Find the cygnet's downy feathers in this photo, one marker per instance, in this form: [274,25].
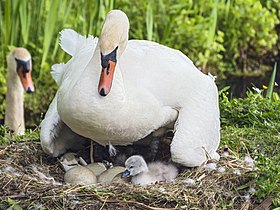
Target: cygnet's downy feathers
[144,174]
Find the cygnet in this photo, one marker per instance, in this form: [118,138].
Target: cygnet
[144,174]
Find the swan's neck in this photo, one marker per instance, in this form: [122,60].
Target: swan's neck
[14,114]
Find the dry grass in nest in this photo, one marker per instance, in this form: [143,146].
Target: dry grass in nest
[33,181]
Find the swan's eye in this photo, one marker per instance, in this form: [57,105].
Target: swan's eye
[131,167]
[24,64]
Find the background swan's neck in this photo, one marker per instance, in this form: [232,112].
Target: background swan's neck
[14,114]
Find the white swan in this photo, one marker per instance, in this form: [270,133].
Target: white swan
[143,174]
[18,80]
[119,91]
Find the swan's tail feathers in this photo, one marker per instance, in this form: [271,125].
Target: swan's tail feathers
[57,72]
[70,41]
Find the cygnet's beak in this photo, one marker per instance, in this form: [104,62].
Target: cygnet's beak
[126,173]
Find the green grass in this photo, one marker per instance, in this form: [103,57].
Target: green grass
[263,146]
[251,126]
[6,137]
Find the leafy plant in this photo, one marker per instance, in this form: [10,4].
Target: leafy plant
[6,136]
[253,111]
[249,36]
[14,205]
[262,144]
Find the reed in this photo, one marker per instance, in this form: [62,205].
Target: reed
[25,20]
[49,28]
[149,20]
[272,81]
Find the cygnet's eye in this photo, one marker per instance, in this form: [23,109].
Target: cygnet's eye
[131,167]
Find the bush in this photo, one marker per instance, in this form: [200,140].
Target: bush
[254,111]
[251,35]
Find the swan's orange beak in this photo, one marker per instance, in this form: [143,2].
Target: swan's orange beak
[106,78]
[108,63]
[26,79]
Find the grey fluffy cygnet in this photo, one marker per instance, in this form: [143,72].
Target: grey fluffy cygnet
[143,174]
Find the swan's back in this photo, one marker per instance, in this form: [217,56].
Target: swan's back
[174,77]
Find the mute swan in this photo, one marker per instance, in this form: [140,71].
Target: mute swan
[144,174]
[115,91]
[18,80]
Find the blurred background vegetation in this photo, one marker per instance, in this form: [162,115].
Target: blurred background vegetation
[237,40]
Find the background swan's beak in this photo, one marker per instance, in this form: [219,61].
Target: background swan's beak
[26,80]
[106,78]
[126,173]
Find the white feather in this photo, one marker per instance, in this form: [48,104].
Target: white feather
[70,41]
[57,72]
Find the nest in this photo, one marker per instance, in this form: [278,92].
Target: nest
[31,180]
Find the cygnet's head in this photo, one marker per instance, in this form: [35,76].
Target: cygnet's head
[134,165]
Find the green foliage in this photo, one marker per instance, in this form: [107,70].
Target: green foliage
[253,111]
[262,144]
[272,5]
[6,137]
[3,135]
[13,205]
[222,36]
[269,176]
[251,126]
[269,92]
[219,36]
[3,90]
[250,36]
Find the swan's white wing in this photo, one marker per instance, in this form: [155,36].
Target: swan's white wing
[70,41]
[73,44]
[57,72]
[49,129]
[176,82]
[55,135]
